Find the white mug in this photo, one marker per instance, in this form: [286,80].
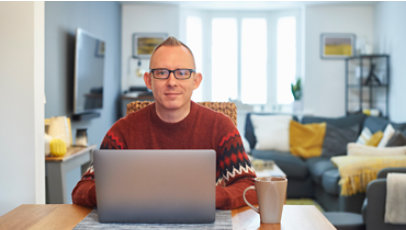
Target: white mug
[271,193]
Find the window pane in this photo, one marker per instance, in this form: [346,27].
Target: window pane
[224,59]
[194,41]
[286,58]
[253,61]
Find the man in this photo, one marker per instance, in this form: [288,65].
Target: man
[176,122]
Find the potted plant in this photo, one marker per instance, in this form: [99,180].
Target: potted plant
[297,93]
[296,89]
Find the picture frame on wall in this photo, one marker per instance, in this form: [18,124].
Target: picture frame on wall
[144,44]
[337,45]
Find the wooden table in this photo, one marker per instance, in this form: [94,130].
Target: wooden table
[57,167]
[66,216]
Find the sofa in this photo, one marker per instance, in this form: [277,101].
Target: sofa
[373,209]
[317,177]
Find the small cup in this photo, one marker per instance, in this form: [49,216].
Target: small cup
[271,193]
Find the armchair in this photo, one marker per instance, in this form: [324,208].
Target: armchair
[374,204]
[227,108]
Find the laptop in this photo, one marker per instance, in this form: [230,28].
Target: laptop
[155,186]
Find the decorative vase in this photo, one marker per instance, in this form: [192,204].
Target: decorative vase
[297,108]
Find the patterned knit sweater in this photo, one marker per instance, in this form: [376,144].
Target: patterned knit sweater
[201,129]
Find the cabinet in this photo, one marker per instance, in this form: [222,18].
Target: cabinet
[58,167]
[367,84]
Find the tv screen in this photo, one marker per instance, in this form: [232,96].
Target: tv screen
[89,73]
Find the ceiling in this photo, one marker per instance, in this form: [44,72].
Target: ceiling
[244,5]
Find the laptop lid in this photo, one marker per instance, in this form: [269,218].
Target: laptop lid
[155,186]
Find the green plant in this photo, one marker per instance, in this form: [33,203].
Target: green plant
[296,89]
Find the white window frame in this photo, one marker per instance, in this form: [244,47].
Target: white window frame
[272,17]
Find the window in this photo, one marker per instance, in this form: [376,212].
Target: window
[286,58]
[194,41]
[253,61]
[224,59]
[249,56]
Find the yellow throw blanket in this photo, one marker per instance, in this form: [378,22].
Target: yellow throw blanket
[357,171]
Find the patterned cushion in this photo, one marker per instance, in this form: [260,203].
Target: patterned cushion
[365,135]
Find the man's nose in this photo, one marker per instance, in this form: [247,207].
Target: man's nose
[171,79]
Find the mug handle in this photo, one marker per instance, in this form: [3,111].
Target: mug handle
[252,187]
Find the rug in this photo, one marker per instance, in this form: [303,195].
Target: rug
[223,221]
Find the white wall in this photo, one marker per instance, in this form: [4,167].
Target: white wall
[324,86]
[390,37]
[143,18]
[22,170]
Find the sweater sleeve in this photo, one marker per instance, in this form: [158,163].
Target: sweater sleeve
[234,173]
[84,192]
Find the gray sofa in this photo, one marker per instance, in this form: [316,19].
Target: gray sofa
[373,209]
[318,177]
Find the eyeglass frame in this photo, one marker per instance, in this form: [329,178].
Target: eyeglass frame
[172,71]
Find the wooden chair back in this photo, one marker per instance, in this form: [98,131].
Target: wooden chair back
[227,108]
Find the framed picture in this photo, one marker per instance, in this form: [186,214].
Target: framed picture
[337,45]
[144,43]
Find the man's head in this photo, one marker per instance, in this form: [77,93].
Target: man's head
[172,89]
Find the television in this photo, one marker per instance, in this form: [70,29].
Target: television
[88,73]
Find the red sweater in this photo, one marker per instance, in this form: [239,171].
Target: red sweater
[201,129]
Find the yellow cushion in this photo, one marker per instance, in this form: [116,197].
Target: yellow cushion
[375,139]
[306,140]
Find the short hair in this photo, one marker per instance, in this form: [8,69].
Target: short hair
[172,41]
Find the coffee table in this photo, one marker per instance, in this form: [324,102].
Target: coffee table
[264,168]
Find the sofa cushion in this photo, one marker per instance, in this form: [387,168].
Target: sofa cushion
[354,149]
[379,124]
[271,132]
[375,124]
[336,140]
[375,139]
[398,139]
[317,166]
[292,166]
[329,181]
[306,140]
[365,135]
[249,128]
[387,135]
[342,122]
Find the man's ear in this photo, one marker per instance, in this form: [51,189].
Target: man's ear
[197,80]
[147,80]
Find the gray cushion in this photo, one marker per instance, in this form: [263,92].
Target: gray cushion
[317,166]
[292,166]
[398,139]
[379,124]
[336,140]
[342,122]
[329,181]
[375,123]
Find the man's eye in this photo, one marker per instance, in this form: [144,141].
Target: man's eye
[160,72]
[182,72]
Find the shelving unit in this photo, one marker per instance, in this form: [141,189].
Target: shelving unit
[367,84]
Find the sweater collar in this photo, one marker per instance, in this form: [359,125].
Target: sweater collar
[158,121]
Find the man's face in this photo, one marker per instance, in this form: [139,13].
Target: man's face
[172,93]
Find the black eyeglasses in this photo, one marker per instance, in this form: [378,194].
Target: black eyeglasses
[181,74]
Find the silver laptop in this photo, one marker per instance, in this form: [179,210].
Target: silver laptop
[155,186]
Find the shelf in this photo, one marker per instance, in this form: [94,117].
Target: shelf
[368,56]
[85,116]
[363,73]
[373,86]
